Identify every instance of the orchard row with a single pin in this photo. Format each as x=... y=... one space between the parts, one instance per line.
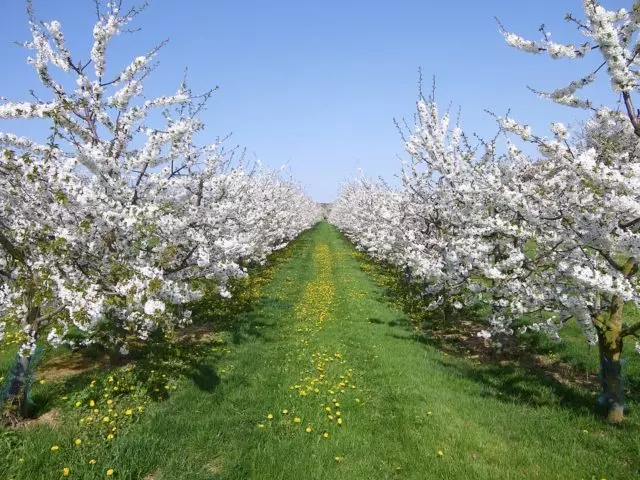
x=528 y=227
x=119 y=218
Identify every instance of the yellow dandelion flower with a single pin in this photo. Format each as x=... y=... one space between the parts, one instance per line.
x=308 y=429
x=110 y=436
x=41 y=382
x=429 y=413
x=78 y=442
x=325 y=435
x=128 y=412
x=92 y=403
x=328 y=409
x=92 y=462
x=261 y=425
x=109 y=402
x=78 y=404
x=65 y=472
x=105 y=419
x=339 y=421
x=330 y=417
x=270 y=416
x=110 y=472
x=440 y=453
x=337 y=404
x=338 y=413
x=338 y=459
x=55 y=448
x=285 y=411
x=297 y=420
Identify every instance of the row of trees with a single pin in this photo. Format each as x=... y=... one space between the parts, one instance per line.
x=109 y=220
x=547 y=236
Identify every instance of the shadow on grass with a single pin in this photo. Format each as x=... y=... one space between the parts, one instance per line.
x=403 y=321
x=205 y=378
x=191 y=353
x=529 y=370
x=148 y=369
x=512 y=380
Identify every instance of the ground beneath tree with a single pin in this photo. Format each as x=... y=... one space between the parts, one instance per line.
x=329 y=382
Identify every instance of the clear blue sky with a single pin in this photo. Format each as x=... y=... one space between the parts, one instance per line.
x=316 y=84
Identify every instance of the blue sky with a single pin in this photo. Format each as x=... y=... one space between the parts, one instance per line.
x=316 y=85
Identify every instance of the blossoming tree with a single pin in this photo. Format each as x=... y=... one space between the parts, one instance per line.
x=586 y=192
x=551 y=236
x=110 y=218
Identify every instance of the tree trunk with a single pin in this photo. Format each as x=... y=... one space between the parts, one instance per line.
x=19 y=388
x=447 y=309
x=610 y=335
x=449 y=313
x=18 y=391
x=610 y=349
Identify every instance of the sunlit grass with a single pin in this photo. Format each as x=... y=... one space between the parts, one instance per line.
x=319 y=374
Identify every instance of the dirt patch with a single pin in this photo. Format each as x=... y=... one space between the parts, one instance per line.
x=70 y=365
x=50 y=418
x=215 y=466
x=196 y=333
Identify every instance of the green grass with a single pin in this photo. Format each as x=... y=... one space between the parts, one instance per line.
x=320 y=322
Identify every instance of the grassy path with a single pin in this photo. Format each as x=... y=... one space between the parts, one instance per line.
x=331 y=384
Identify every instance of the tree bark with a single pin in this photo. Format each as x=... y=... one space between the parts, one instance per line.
x=610 y=349
x=19 y=388
x=20 y=385
x=448 y=312
x=610 y=335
